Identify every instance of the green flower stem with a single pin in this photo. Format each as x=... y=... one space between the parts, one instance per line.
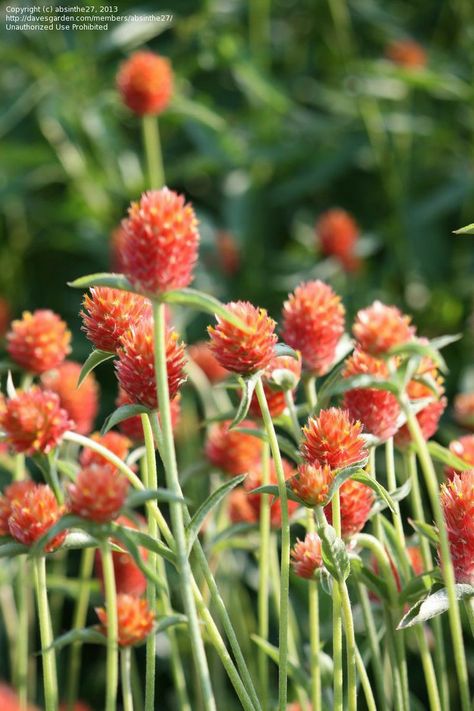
x=152 y=143
x=263 y=579
x=290 y=403
x=309 y=384
x=79 y=621
x=112 y=626
x=350 y=647
x=315 y=645
x=125 y=674
x=285 y=548
x=46 y=631
x=365 y=683
x=432 y=486
x=176 y=510
x=337 y=619
x=21 y=584
x=375 y=651
x=469 y=606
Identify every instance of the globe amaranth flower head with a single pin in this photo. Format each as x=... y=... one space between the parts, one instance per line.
x=109 y=313
x=201 y=354
x=38 y=341
x=12 y=492
x=34 y=510
x=338 y=233
x=282 y=374
x=244 y=351
x=129 y=579
x=160 y=246
x=313 y=323
x=333 y=439
x=378 y=410
x=81 y=403
x=464 y=449
x=406 y=53
x=98 y=493
x=379 y=328
x=356 y=500
x=232 y=451
x=457 y=502
x=145 y=83
x=115 y=442
x=429 y=417
x=464 y=410
x=34 y=421
x=10 y=701
x=135 y=366
x=135 y=620
x=311 y=483
x=306 y=556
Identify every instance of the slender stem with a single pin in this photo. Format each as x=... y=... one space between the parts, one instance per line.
x=285 y=548
x=125 y=672
x=350 y=647
x=314 y=633
x=446 y=562
x=79 y=621
x=263 y=578
x=309 y=384
x=337 y=619
x=151 y=139
x=21 y=584
x=177 y=519
x=365 y=682
x=469 y=606
x=46 y=631
x=375 y=651
x=112 y=626
x=290 y=403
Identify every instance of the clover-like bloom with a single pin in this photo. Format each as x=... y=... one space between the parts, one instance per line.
x=244 y=351
x=464 y=449
x=338 y=233
x=135 y=620
x=81 y=403
x=12 y=492
x=98 y=493
x=109 y=313
x=311 y=483
x=232 y=451
x=34 y=510
x=333 y=439
x=38 y=341
x=160 y=246
x=129 y=579
x=306 y=556
x=379 y=328
x=145 y=83
x=457 y=502
x=356 y=501
x=205 y=359
x=115 y=442
x=406 y=53
x=313 y=323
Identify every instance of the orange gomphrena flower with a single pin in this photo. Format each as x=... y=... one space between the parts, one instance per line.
x=4 y=317
x=129 y=579
x=205 y=359
x=34 y=421
x=242 y=351
x=457 y=501
x=34 y=510
x=9 y=700
x=313 y=323
x=109 y=313
x=135 y=620
x=356 y=503
x=98 y=493
x=81 y=403
x=77 y=706
x=145 y=83
x=283 y=373
x=429 y=417
x=39 y=341
x=312 y=483
x=254 y=480
x=306 y=556
x=161 y=242
x=379 y=328
x=406 y=53
x=333 y=439
x=13 y=492
x=135 y=366
x=378 y=410
x=233 y=452
x=240 y=508
x=117 y=443
x=464 y=449
x=338 y=232
x=464 y=410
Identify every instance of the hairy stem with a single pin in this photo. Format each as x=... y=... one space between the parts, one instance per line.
x=263 y=579
x=151 y=139
x=125 y=673
x=112 y=626
x=48 y=654
x=315 y=645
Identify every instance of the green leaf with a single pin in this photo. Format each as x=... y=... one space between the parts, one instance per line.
x=193 y=527
x=273 y=490
x=76 y=540
x=47 y=465
x=69 y=469
x=87 y=635
x=10 y=549
x=203 y=302
x=422 y=349
x=170 y=621
x=444 y=455
x=334 y=553
x=375 y=583
x=443 y=341
x=295 y=671
x=115 y=281
x=138 y=498
x=380 y=491
x=236 y=529
x=433 y=605
x=248 y=386
x=93 y=360
x=282 y=349
x=467 y=230
x=66 y=522
x=132 y=538
x=426 y=530
x=122 y=413
x=397 y=494
x=418 y=585
x=362 y=381
x=342 y=476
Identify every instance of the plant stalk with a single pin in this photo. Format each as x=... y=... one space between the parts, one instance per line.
x=314 y=633
x=112 y=626
x=125 y=673
x=263 y=579
x=337 y=619
x=48 y=654
x=151 y=140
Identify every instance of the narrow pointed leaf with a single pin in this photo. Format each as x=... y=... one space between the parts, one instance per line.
x=122 y=413
x=443 y=341
x=93 y=360
x=282 y=349
x=467 y=230
x=426 y=530
x=445 y=456
x=379 y=490
x=247 y=390
x=434 y=605
x=115 y=281
x=10 y=549
x=203 y=302
x=295 y=670
x=128 y=538
x=343 y=476
x=362 y=381
x=170 y=621
x=334 y=553
x=422 y=349
x=10 y=388
x=397 y=494
x=138 y=498
x=87 y=635
x=136 y=538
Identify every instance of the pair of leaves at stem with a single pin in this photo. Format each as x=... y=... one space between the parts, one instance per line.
x=434 y=604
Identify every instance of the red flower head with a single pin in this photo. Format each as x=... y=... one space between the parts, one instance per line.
x=312 y=483
x=406 y=53
x=233 y=452
x=9 y=700
x=378 y=410
x=240 y=508
x=135 y=620
x=356 y=502
x=306 y=556
x=428 y=418
x=205 y=359
x=4 y=317
x=136 y=368
x=145 y=83
x=161 y=242
x=34 y=510
x=464 y=449
x=379 y=328
x=13 y=492
x=98 y=493
x=117 y=443
x=464 y=410
x=129 y=579
x=338 y=233
x=81 y=403
x=283 y=373
x=313 y=323
x=333 y=439
x=254 y=480
x=39 y=341
x=109 y=313
x=242 y=351
x=457 y=501
x=34 y=421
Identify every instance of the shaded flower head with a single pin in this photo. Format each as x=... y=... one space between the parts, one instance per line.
x=34 y=510
x=135 y=620
x=244 y=351
x=135 y=365
x=205 y=359
x=13 y=492
x=311 y=483
x=464 y=449
x=457 y=502
x=38 y=341
x=129 y=579
x=145 y=83
x=109 y=313
x=338 y=232
x=161 y=242
x=232 y=451
x=356 y=501
x=115 y=442
x=98 y=493
x=406 y=53
x=255 y=479
x=306 y=556
x=313 y=323
x=81 y=403
x=379 y=328
x=34 y=421
x=464 y=410
x=333 y=439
